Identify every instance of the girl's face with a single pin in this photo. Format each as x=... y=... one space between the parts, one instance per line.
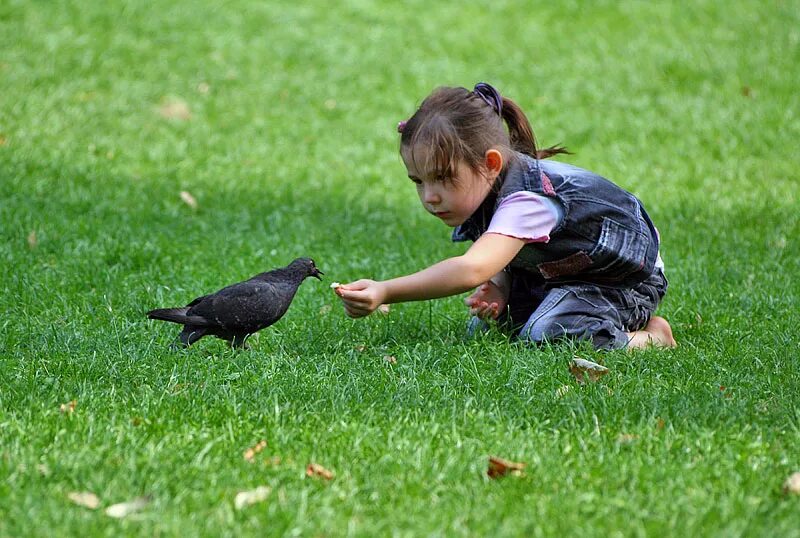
x=453 y=200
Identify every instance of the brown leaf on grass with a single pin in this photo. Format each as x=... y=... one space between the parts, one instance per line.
x=125 y=509
x=792 y=484
x=69 y=407
x=188 y=199
x=391 y=359
x=175 y=109
x=32 y=240
x=581 y=369
x=360 y=348
x=314 y=469
x=3 y=140
x=244 y=499
x=251 y=452
x=85 y=498
x=499 y=467
x=626 y=438
x=660 y=423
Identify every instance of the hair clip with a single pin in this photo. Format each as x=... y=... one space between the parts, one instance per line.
x=488 y=93
x=401 y=125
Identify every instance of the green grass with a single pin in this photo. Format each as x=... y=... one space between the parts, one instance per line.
x=290 y=150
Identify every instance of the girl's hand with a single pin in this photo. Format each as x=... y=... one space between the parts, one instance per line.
x=361 y=297
x=487 y=302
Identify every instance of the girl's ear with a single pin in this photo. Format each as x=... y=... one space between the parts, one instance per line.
x=494 y=162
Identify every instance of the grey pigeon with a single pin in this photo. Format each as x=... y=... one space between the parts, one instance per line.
x=237 y=311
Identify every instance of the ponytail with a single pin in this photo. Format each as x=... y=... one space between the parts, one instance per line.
x=521 y=134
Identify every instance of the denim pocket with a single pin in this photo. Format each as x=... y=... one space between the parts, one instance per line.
x=619 y=252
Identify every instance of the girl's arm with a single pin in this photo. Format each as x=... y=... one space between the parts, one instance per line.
x=487 y=257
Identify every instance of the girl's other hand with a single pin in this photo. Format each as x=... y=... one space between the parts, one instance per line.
x=487 y=302
x=361 y=297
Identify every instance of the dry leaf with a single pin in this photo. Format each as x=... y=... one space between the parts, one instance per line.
x=325 y=309
x=314 y=469
x=253 y=496
x=68 y=407
x=125 y=509
x=792 y=484
x=176 y=109
x=32 y=240
x=383 y=309
x=660 y=423
x=360 y=348
x=562 y=390
x=626 y=438
x=581 y=367
x=188 y=199
x=3 y=140
x=203 y=87
x=390 y=359
x=85 y=498
x=499 y=467
x=251 y=452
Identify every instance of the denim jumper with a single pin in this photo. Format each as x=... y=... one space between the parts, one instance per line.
x=596 y=278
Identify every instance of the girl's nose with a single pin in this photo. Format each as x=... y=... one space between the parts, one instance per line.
x=431 y=196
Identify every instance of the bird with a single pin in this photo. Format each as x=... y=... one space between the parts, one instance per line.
x=239 y=310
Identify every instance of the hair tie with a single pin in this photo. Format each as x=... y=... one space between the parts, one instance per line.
x=401 y=125
x=488 y=93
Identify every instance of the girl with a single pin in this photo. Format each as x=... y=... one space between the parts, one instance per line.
x=558 y=252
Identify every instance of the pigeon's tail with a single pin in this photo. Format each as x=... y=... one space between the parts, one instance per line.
x=175 y=315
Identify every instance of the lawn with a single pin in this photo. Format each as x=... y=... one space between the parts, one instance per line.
x=278 y=119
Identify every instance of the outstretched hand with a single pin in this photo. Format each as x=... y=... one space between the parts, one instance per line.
x=361 y=297
x=487 y=302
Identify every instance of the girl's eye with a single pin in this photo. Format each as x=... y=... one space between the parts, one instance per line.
x=416 y=181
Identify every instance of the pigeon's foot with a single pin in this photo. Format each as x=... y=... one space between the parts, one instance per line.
x=239 y=341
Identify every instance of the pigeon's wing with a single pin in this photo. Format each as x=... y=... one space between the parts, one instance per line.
x=247 y=306
x=196 y=301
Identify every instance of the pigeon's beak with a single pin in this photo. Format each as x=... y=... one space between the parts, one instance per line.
x=317 y=273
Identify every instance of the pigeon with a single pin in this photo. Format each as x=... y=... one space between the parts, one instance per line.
x=239 y=310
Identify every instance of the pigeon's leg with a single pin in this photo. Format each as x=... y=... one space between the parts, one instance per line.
x=191 y=334
x=239 y=341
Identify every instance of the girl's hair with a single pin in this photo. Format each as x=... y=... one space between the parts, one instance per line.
x=458 y=125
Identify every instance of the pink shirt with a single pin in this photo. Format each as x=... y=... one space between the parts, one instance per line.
x=527 y=216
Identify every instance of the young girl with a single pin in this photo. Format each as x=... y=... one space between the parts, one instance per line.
x=558 y=252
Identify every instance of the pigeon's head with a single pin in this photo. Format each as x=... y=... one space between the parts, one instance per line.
x=306 y=267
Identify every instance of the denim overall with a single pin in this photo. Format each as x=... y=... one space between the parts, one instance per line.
x=596 y=278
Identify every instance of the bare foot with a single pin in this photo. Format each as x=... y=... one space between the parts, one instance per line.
x=657 y=332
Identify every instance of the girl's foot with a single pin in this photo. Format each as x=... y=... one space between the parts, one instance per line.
x=657 y=332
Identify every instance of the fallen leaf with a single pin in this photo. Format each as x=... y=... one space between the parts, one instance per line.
x=68 y=407
x=660 y=424
x=85 y=498
x=562 y=390
x=32 y=240
x=253 y=496
x=314 y=469
x=203 y=87
x=325 y=309
x=391 y=359
x=251 y=452
x=3 y=140
x=188 y=199
x=125 y=509
x=499 y=467
x=792 y=484
x=383 y=309
x=175 y=109
x=581 y=367
x=626 y=438
x=746 y=91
